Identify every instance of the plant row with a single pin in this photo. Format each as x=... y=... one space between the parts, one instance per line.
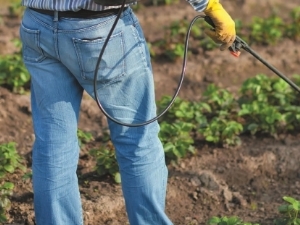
x=261 y=31
x=263 y=106
x=11 y=161
x=289 y=211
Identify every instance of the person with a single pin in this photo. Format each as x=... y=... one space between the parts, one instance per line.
x=61 y=41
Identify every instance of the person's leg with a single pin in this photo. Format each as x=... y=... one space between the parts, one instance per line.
x=55 y=99
x=126 y=90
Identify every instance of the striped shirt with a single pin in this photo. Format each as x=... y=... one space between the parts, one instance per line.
x=75 y=5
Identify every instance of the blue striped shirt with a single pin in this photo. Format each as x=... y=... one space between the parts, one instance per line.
x=75 y=5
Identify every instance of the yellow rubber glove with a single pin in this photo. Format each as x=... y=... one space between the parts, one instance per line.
x=224 y=32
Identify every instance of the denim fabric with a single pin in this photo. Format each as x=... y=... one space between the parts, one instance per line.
x=61 y=55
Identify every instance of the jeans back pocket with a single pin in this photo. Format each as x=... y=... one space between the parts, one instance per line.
x=31 y=44
x=112 y=65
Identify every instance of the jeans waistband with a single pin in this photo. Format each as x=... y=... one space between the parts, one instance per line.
x=85 y=14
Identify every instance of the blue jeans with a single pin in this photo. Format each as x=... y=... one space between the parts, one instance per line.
x=60 y=54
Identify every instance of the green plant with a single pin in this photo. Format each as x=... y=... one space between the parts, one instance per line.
x=6 y=190
x=106 y=162
x=218 y=120
x=266 y=30
x=176 y=139
x=175 y=50
x=290 y=212
x=15 y=9
x=181 y=110
x=84 y=137
x=173 y=45
x=293 y=29
x=261 y=118
x=10 y=160
x=13 y=73
x=271 y=91
x=291 y=118
x=219 y=100
x=222 y=131
x=207 y=44
x=228 y=221
x=164 y=2
x=269 y=105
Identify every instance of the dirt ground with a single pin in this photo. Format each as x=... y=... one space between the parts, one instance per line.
x=248 y=181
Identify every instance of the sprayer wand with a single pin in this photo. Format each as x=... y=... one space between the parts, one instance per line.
x=239 y=44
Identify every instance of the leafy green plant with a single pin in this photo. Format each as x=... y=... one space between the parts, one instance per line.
x=13 y=73
x=10 y=160
x=164 y=2
x=219 y=99
x=218 y=120
x=175 y=50
x=181 y=110
x=291 y=118
x=84 y=137
x=293 y=29
x=261 y=118
x=290 y=211
x=266 y=30
x=176 y=139
x=268 y=105
x=221 y=131
x=106 y=162
x=228 y=221
x=6 y=190
x=15 y=9
x=271 y=91
x=173 y=45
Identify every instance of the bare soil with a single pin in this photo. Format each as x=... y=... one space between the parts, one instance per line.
x=248 y=181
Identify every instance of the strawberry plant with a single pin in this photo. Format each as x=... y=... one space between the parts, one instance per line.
x=228 y=221
x=290 y=212
x=219 y=99
x=222 y=131
x=266 y=30
x=293 y=29
x=219 y=125
x=106 y=162
x=6 y=190
x=268 y=105
x=181 y=110
x=271 y=91
x=84 y=137
x=291 y=118
x=10 y=160
x=15 y=9
x=176 y=139
x=13 y=73
x=261 y=118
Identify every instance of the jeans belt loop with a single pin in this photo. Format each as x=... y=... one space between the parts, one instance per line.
x=55 y=18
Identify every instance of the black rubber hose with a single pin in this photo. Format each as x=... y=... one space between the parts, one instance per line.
x=176 y=91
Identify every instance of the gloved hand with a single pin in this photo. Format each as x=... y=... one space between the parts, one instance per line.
x=224 y=32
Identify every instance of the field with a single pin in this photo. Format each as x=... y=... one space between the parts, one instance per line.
x=248 y=180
